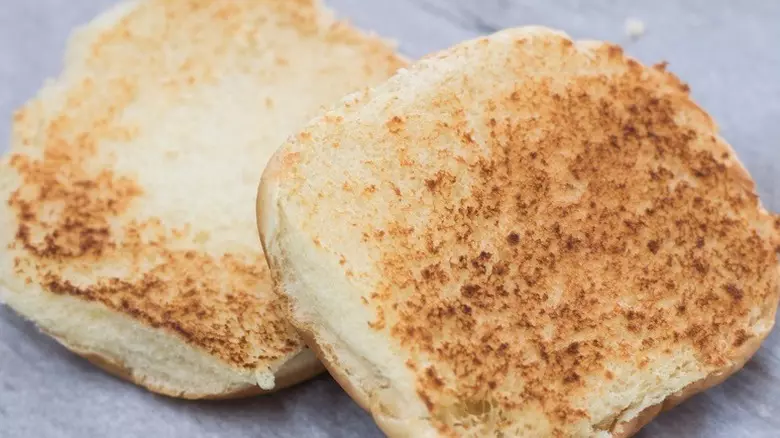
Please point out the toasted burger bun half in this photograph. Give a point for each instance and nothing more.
(522, 235)
(127, 227)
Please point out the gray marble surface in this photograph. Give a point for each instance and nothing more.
(726, 50)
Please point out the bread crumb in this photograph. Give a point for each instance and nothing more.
(634, 28)
(265, 379)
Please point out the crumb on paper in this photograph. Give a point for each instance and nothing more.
(634, 27)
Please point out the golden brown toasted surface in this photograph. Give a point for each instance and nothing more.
(559, 214)
(82, 228)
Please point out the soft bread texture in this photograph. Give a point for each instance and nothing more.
(127, 227)
(522, 235)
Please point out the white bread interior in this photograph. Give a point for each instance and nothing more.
(387, 144)
(138, 248)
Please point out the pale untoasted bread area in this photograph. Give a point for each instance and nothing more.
(521, 235)
(128, 193)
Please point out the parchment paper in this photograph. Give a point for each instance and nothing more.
(727, 51)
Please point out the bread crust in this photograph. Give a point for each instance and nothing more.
(338, 373)
(386, 423)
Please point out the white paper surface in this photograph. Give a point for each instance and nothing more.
(726, 50)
